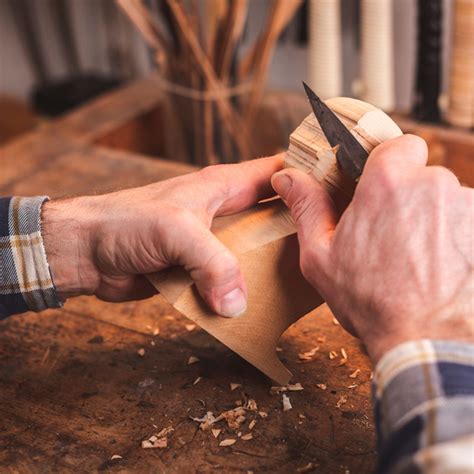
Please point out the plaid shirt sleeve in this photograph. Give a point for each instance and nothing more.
(25, 279)
(424, 408)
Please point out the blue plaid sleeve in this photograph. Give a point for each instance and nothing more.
(25, 279)
(424, 408)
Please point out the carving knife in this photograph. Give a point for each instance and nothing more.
(350, 154)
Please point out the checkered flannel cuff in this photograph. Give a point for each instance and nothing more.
(25, 279)
(417, 379)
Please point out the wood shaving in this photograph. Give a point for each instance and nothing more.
(227, 442)
(321, 339)
(252, 424)
(355, 374)
(206, 421)
(148, 327)
(116, 456)
(146, 382)
(344, 353)
(341, 401)
(278, 349)
(192, 360)
(300, 415)
(190, 327)
(247, 437)
(234, 386)
(309, 467)
(251, 405)
(262, 414)
(197, 380)
(335, 322)
(371, 376)
(342, 362)
(159, 440)
(322, 386)
(308, 355)
(152, 343)
(234, 417)
(286, 403)
(216, 432)
(275, 390)
(297, 387)
(141, 351)
(332, 355)
(238, 403)
(170, 318)
(156, 331)
(354, 385)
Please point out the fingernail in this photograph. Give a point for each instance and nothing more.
(282, 184)
(233, 303)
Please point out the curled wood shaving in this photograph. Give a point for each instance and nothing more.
(286, 403)
(206, 421)
(234, 386)
(278, 349)
(216, 432)
(251, 405)
(344, 353)
(354, 385)
(341, 401)
(297, 387)
(192, 360)
(159, 440)
(252, 424)
(355, 374)
(262, 414)
(308, 355)
(322, 386)
(141, 351)
(332, 355)
(342, 362)
(234, 417)
(116, 456)
(227, 442)
(197, 380)
(247, 437)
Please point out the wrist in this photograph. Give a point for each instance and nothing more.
(67, 228)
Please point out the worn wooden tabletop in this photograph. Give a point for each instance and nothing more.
(74, 392)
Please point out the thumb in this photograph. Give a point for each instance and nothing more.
(311, 208)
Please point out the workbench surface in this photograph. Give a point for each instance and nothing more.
(73, 389)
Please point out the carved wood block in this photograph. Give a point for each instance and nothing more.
(264, 241)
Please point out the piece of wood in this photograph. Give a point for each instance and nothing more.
(377, 58)
(325, 48)
(264, 241)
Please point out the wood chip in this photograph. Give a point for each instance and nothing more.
(300, 415)
(227, 442)
(332, 355)
(297, 387)
(251, 405)
(247, 437)
(309, 355)
(234, 417)
(341, 401)
(355, 374)
(159, 441)
(321, 338)
(152, 343)
(275, 390)
(344, 353)
(262, 414)
(216, 432)
(342, 362)
(278, 349)
(286, 403)
(190, 327)
(193, 360)
(252, 424)
(156, 331)
(354, 385)
(309, 467)
(197, 380)
(335, 322)
(234, 386)
(141, 351)
(322, 386)
(116, 456)
(206, 421)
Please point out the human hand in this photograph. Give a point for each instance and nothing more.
(104, 245)
(398, 265)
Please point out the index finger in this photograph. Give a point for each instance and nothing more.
(236, 187)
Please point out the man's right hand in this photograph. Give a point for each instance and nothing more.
(398, 265)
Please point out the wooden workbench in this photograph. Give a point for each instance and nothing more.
(73, 390)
